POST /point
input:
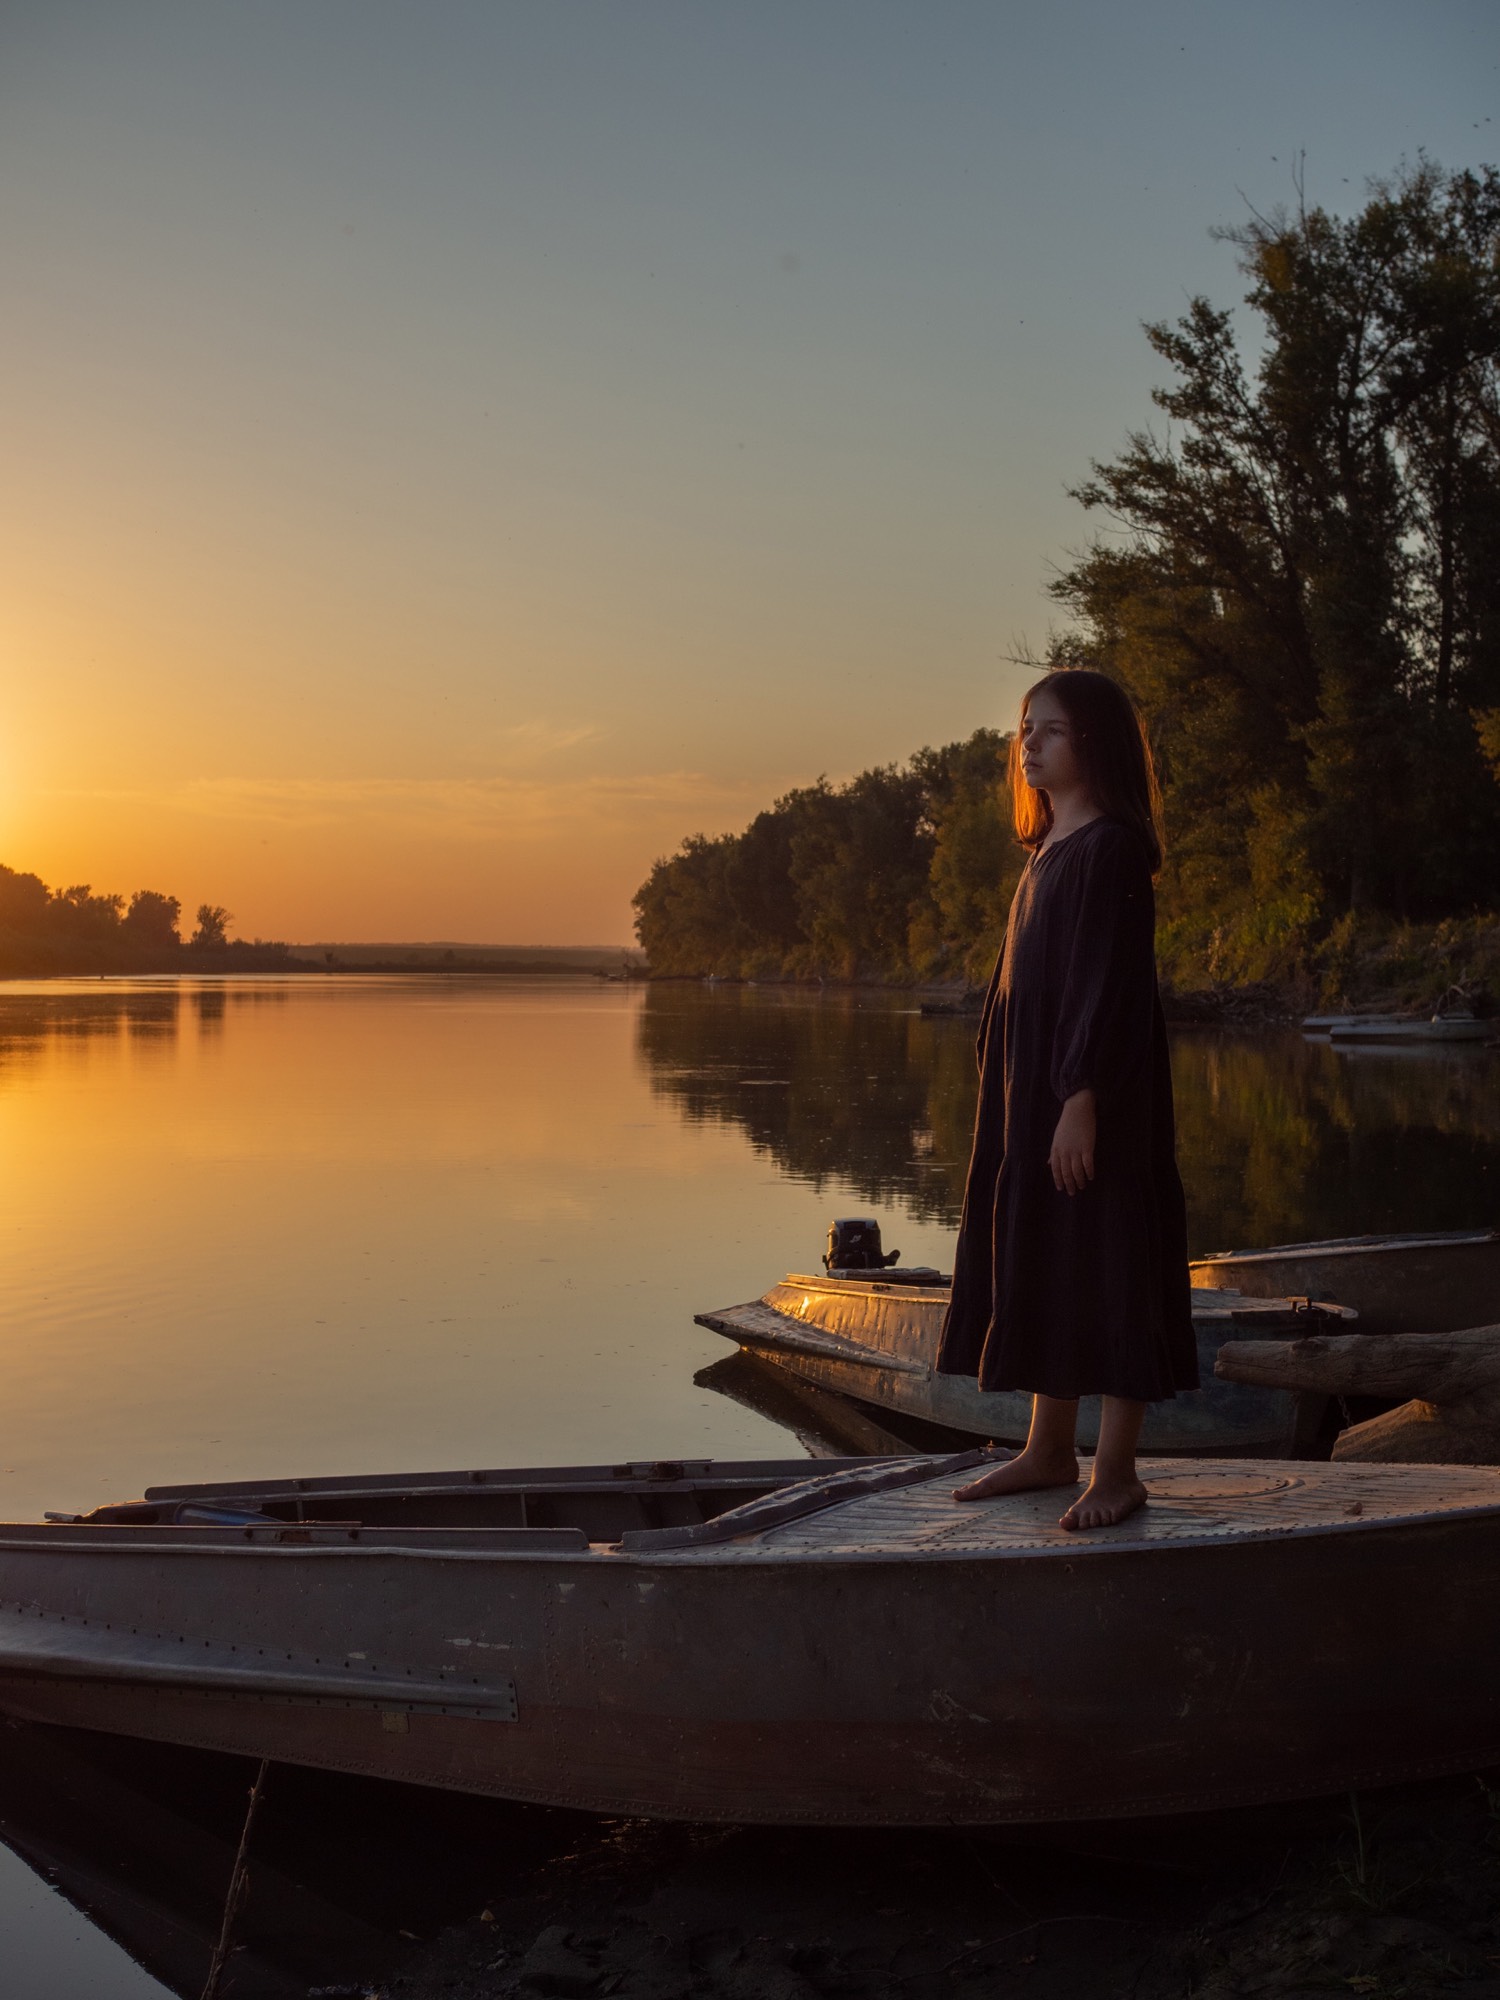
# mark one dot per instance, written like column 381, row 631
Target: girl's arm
column 1105, row 1004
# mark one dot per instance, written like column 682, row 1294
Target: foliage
column 212, row 932
column 1301, row 588
column 152, row 918
column 1305, row 595
column 46, row 930
column 901, row 872
column 1487, row 728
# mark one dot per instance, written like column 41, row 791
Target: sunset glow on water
column 328, row 1225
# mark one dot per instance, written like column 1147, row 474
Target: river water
column 341, row 1224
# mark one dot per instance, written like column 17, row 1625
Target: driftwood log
column 1453, row 1380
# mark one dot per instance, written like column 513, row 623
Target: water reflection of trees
column 1280, row 1139
column 847, row 1088
column 1284, row 1139
column 33, row 1023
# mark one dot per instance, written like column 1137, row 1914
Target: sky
column 453, row 451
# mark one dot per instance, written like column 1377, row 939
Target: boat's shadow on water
column 357, row 1886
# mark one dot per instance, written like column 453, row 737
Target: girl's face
column 1049, row 759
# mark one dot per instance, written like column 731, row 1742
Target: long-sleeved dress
column 1087, row 1294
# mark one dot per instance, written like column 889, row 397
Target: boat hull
column 832, row 1670
column 1439, row 1033
column 1378, row 1029
column 1435, row 1283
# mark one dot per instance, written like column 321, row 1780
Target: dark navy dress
column 1075, row 1295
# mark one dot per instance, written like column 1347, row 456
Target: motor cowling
column 854, row 1245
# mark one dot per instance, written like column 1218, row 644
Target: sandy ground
column 1392, row 1895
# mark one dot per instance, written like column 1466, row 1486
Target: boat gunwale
column 1353, row 1246
column 294, row 1537
column 757, row 1545
column 863, row 1287
column 158, row 1540
column 1245, row 1303
column 632, row 1476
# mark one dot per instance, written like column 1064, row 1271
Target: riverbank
column 72, row 959
column 1391, row 1895
column 1361, row 964
column 87, row 958
column 1375, row 965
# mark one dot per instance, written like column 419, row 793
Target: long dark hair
column 1113, row 748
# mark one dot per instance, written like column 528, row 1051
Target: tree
column 78, row 913
column 152, row 919
column 959, row 925
column 212, row 931
column 23, row 903
column 859, row 862
column 1305, row 596
column 683, row 913
column 900, row 870
column 1487, row 723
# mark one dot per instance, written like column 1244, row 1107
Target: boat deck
column 1208, row 1503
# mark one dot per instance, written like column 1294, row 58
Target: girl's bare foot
column 1028, row 1471
column 1105, row 1500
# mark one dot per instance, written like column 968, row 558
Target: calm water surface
column 330, row 1225
column 347, row 1224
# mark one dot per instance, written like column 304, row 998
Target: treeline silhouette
column 905, row 870
column 46, row 930
column 1301, row 588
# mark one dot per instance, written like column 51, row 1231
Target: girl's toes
column 1103, row 1510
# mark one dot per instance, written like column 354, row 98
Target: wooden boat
column 1396, row 1028
column 1441, row 1028
column 874, row 1337
column 747, row 1642
column 1431, row 1283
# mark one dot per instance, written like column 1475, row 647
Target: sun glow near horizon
column 453, row 455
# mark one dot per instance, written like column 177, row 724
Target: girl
column 1070, row 1278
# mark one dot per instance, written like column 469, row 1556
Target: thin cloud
column 541, row 738
column 453, row 808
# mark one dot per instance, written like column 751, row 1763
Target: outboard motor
column 854, row 1245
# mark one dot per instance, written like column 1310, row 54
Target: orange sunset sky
column 454, row 451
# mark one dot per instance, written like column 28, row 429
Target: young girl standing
column 1070, row 1278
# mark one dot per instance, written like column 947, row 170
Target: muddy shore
column 1390, row 1895
column 359, row 1888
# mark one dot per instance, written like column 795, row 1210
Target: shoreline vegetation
column 1299, row 584
column 903, row 878
column 74, row 933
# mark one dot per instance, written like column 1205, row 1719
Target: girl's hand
column 1072, row 1155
